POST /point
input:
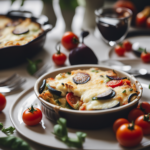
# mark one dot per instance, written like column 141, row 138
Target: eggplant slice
column 130, row 96
column 42, row 87
column 115, row 77
column 53, row 91
column 19, row 31
column 81, row 78
column 106, row 95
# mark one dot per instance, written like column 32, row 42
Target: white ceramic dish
column 42, row 133
column 86, row 119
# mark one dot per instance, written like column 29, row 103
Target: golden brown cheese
column 7, row 38
column 64, row 82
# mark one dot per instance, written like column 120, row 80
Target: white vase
column 89, row 15
column 49, row 12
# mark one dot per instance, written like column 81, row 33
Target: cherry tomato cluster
column 143, row 18
column 129, row 132
column 69, row 41
column 126, row 46
column 121, row 48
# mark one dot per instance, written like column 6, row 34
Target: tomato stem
column 75, row 40
column 145, row 51
column 146, row 117
column 58, row 48
column 142, row 107
column 32, row 109
column 131, row 126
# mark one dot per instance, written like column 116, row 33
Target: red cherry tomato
column 129, row 135
column 32, row 116
column 118, row 123
column 144, row 122
column 145, row 56
column 114, row 83
column 59, row 58
column 145, row 107
column 73, row 101
column 70, row 40
column 134, row 113
column 2, row 102
column 141, row 19
column 120, row 50
column 148, row 22
column 127, row 45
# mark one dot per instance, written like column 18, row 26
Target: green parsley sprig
column 32, row 66
column 60, row 130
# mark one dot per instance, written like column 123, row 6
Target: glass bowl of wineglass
column 113, row 23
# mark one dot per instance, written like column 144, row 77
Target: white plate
column 42, row 133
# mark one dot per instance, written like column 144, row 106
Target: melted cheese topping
column 7, row 38
column 96, row 85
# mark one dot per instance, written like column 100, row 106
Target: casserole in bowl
column 90, row 118
column 21, row 36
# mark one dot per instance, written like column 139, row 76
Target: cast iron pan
column 14, row 55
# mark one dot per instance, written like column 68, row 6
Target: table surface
column 98, row 46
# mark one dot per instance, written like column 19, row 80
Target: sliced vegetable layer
column 81, row 78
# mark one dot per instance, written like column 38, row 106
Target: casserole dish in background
column 14, row 55
column 86, row 119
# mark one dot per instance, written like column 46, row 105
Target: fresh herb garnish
column 107, row 80
column 32, row 66
column 123, row 91
column 1, row 125
column 60, row 130
column 140, row 49
column 149, row 86
column 131, row 89
column 69, row 73
column 101, row 76
column 14, row 143
column 95, row 71
column 9, row 130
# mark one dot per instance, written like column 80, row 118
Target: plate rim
column 16, row 127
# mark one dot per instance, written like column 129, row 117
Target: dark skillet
column 14, row 55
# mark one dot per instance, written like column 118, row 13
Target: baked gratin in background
column 15, row 32
column 88, row 90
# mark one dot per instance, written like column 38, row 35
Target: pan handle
column 43, row 20
column 20, row 13
column 47, row 28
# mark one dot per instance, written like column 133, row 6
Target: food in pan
column 90, row 89
column 15, row 32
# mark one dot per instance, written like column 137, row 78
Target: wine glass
column 113, row 23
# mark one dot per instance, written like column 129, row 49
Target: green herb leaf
column 32, row 66
column 60, row 130
column 141, row 49
column 149, row 86
column 9, row 130
column 95, row 71
column 1, row 125
column 123, row 91
column 131, row 89
column 14, row 143
column 69, row 73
